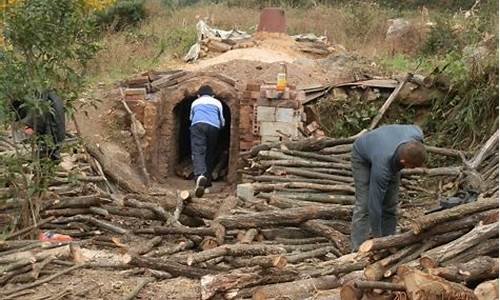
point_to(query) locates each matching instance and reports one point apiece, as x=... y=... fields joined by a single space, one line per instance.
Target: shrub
x=122 y=14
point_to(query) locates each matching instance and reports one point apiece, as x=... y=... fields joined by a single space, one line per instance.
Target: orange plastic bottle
x=281 y=80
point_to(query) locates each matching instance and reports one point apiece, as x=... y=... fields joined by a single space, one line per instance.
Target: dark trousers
x=203 y=147
x=361 y=217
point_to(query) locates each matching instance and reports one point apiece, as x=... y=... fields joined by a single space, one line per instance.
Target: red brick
x=254 y=87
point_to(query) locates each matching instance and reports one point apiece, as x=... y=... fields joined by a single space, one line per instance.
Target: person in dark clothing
x=207 y=119
x=50 y=126
x=377 y=159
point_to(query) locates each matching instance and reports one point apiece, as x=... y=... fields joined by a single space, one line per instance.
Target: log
x=29 y=228
x=165 y=230
x=299 y=289
x=311 y=197
x=268 y=261
x=172 y=267
x=408 y=237
x=41 y=281
x=485 y=149
x=340 y=241
x=155 y=208
x=74 y=202
x=234 y=250
x=479 y=268
x=340 y=149
x=240 y=279
x=420 y=286
x=284 y=232
x=376 y=270
x=442 y=171
x=65 y=212
x=388 y=103
x=227 y=205
x=118 y=171
x=249 y=236
x=382 y=285
x=303 y=241
x=434 y=257
x=453 y=213
x=35 y=271
x=303 y=163
x=315 y=156
x=308 y=174
x=183 y=245
x=337 y=266
x=273 y=179
x=285 y=217
x=480 y=249
x=145 y=247
x=311 y=144
x=350 y=292
x=487 y=290
x=299 y=257
x=269 y=187
x=137 y=139
x=99 y=223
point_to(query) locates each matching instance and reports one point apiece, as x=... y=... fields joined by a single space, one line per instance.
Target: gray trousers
x=360 y=230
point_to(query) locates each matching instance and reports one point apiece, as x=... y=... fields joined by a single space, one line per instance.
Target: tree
x=47 y=45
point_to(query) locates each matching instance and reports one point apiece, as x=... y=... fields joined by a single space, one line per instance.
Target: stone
x=286 y=115
x=266 y=114
x=278 y=129
x=245 y=191
x=115 y=151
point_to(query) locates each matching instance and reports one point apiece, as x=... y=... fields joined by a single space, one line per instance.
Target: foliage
x=47 y=46
x=122 y=14
x=345 y=115
x=463 y=118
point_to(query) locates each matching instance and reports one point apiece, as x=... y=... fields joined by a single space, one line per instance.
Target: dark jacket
x=52 y=123
x=379 y=149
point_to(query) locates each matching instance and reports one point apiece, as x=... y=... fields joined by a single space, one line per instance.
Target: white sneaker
x=201 y=182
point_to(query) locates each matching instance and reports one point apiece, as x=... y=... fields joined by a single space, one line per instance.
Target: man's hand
x=28 y=131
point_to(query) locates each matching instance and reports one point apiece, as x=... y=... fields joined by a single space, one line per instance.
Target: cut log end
x=350 y=292
x=185 y=195
x=280 y=262
x=366 y=246
x=208 y=243
x=428 y=262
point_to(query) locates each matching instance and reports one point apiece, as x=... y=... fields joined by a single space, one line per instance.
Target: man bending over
x=377 y=157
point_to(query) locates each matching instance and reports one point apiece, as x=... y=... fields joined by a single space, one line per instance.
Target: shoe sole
x=200 y=187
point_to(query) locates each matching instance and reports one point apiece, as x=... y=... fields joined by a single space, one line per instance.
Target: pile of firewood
x=288 y=238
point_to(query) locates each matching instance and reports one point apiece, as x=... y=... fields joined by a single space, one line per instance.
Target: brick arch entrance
x=171 y=145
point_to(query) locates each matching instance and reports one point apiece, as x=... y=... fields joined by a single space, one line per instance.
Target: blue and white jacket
x=208 y=110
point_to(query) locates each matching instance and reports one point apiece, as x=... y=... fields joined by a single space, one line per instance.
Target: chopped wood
x=481 y=154
x=41 y=281
x=483 y=248
x=249 y=236
x=407 y=238
x=234 y=250
x=268 y=261
x=340 y=241
x=454 y=213
x=425 y=286
x=382 y=285
x=479 y=268
x=157 y=209
x=285 y=217
x=29 y=228
x=169 y=266
x=487 y=290
x=432 y=258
